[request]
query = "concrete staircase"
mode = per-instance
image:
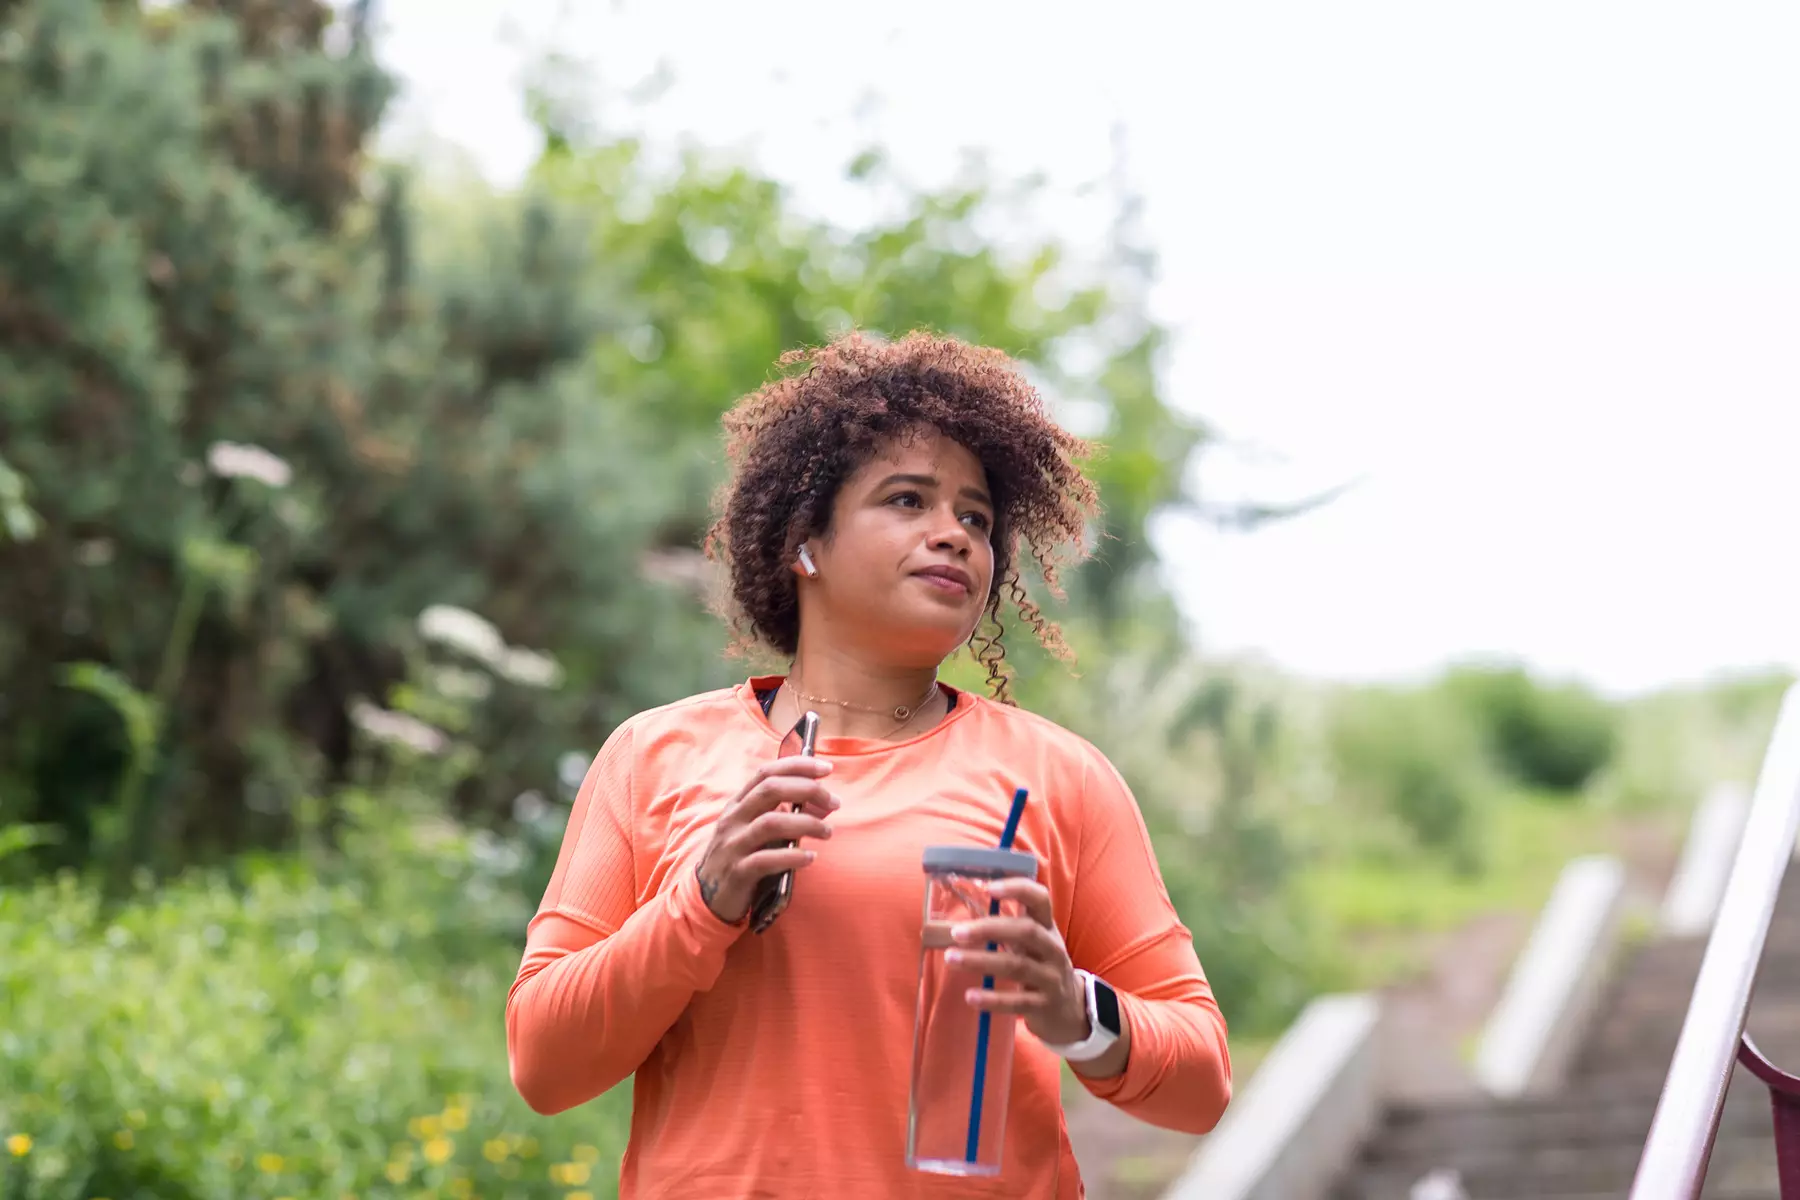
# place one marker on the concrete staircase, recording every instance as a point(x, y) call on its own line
point(1583, 1141)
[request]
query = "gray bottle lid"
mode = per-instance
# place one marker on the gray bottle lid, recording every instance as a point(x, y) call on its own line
point(984, 861)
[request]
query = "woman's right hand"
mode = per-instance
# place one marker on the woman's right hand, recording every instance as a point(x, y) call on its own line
point(746, 841)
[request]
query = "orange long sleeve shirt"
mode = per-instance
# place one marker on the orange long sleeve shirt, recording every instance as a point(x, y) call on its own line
point(779, 1065)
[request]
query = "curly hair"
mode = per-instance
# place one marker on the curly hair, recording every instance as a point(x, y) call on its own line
point(793, 442)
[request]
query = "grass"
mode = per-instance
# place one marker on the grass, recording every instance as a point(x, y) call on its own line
point(1383, 905)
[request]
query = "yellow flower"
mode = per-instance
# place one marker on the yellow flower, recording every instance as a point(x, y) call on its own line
point(438, 1150)
point(456, 1118)
point(585, 1154)
point(461, 1188)
point(398, 1171)
point(270, 1164)
point(527, 1147)
point(123, 1139)
point(572, 1174)
point(19, 1144)
point(579, 1196)
point(425, 1128)
point(494, 1150)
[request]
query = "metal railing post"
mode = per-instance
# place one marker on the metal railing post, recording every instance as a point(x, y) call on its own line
point(1676, 1152)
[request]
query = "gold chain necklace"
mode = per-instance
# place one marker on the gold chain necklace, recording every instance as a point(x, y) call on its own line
point(900, 712)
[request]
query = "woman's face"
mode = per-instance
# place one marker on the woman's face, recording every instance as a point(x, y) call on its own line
point(906, 564)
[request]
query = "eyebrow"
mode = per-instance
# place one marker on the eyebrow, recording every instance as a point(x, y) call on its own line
point(931, 481)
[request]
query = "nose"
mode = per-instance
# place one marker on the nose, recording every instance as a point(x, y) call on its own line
point(949, 533)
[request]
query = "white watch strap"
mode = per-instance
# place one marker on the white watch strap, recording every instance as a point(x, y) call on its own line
point(1098, 1040)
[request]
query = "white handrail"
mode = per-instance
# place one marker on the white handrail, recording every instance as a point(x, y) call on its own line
point(1673, 1166)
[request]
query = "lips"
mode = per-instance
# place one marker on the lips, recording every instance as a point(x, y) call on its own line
point(948, 578)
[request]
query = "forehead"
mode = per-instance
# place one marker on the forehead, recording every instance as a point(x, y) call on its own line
point(927, 452)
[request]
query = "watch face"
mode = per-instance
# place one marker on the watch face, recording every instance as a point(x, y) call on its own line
point(1106, 1007)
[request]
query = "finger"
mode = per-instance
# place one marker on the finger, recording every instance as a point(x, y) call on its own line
point(783, 827)
point(798, 766)
point(804, 765)
point(784, 792)
point(1004, 964)
point(772, 862)
point(1031, 895)
point(1019, 933)
point(1014, 1003)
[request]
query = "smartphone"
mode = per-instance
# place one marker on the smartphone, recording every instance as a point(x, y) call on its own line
point(774, 891)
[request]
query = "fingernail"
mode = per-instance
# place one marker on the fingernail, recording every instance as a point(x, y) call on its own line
point(954, 957)
point(960, 932)
point(811, 854)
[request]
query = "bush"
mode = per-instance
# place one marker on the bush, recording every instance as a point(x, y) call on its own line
point(296, 1032)
point(1554, 737)
point(1215, 762)
point(1414, 758)
point(1676, 744)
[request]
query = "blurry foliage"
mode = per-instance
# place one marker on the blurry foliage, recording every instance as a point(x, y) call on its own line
point(1411, 760)
point(18, 520)
point(1554, 736)
point(265, 415)
point(282, 1033)
point(1676, 744)
point(1219, 758)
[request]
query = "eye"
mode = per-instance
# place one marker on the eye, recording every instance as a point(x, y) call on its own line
point(906, 499)
point(978, 520)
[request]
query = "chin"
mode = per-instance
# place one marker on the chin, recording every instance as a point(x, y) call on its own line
point(922, 644)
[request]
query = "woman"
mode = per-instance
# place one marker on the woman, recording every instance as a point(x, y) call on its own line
point(870, 528)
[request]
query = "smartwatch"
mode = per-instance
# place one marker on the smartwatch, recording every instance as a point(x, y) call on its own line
point(1104, 1025)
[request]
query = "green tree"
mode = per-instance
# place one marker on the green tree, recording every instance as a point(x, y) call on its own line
point(190, 273)
point(506, 403)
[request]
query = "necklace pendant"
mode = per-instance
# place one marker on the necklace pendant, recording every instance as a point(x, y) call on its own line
point(901, 712)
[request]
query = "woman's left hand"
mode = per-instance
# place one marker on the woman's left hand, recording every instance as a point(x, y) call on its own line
point(1030, 952)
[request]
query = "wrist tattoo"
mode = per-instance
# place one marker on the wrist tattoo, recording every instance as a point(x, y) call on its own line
point(708, 887)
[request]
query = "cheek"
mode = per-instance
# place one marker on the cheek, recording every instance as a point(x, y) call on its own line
point(984, 565)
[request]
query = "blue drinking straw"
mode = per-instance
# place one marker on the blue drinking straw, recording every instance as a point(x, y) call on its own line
point(972, 1154)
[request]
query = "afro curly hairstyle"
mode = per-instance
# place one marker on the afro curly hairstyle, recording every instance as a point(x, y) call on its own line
point(792, 443)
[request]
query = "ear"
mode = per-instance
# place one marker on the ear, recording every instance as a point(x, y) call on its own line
point(804, 562)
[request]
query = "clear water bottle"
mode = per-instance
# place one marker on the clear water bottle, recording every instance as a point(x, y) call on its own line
point(962, 1057)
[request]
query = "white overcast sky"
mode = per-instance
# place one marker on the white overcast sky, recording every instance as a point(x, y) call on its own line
point(1531, 271)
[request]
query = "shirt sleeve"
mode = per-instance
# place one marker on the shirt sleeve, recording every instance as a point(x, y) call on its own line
point(1124, 928)
point(603, 978)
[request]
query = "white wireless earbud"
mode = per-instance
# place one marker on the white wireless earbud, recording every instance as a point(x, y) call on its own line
point(807, 564)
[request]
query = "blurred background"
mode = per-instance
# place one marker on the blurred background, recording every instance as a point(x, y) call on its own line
point(360, 374)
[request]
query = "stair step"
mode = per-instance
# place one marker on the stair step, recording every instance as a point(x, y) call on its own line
point(1584, 1141)
point(1528, 1130)
point(1740, 1163)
